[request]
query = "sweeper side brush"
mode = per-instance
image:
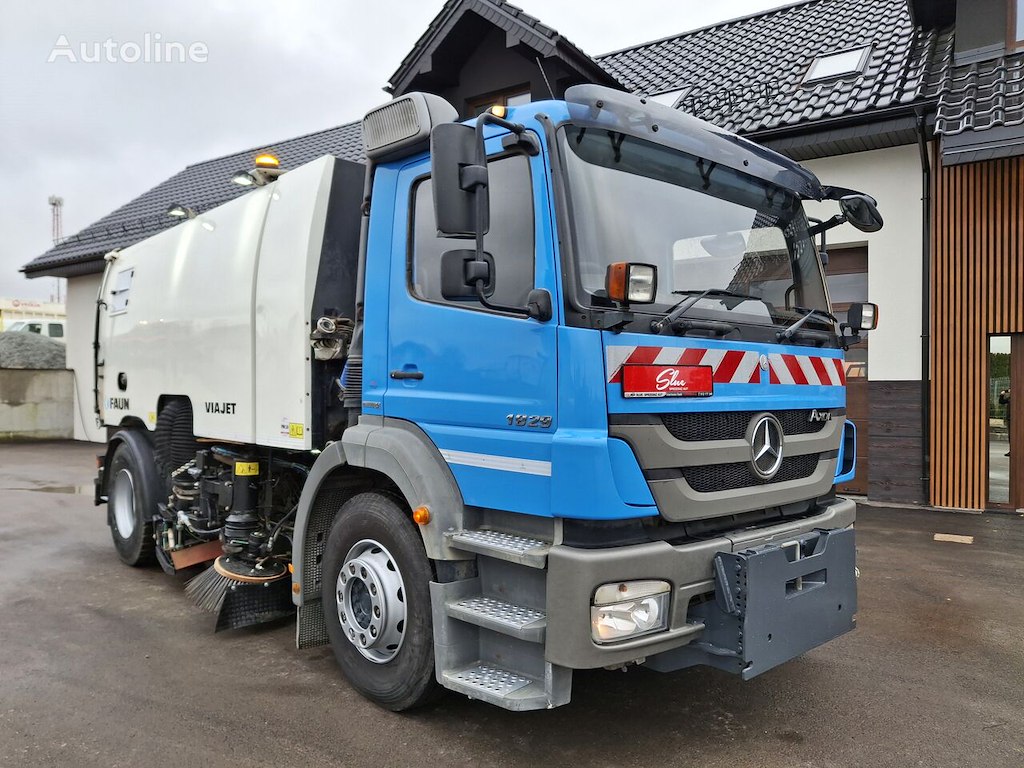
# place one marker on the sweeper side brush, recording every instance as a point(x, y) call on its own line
point(242, 594)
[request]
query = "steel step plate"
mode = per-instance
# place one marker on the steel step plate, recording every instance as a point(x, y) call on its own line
point(489, 682)
point(500, 616)
point(503, 546)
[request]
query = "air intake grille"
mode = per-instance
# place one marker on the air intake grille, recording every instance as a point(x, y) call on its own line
point(729, 477)
point(391, 123)
point(732, 425)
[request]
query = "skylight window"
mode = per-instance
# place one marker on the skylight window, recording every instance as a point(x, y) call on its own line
point(842, 64)
point(668, 98)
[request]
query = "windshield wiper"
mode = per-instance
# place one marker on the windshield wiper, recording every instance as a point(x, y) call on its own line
point(791, 330)
point(683, 306)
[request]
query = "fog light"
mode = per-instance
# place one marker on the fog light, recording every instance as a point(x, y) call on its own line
point(640, 608)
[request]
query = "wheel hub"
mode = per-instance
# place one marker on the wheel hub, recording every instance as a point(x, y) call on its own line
point(123, 501)
point(370, 598)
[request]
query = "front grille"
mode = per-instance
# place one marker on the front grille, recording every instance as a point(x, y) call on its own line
point(732, 425)
point(729, 477)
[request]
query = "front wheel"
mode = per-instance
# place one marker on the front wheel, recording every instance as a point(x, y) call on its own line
point(376, 603)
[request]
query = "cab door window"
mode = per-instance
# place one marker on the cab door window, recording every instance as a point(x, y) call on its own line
point(510, 240)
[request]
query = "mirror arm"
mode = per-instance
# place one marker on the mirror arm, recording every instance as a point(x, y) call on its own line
point(490, 119)
point(829, 192)
point(824, 226)
point(848, 341)
point(498, 307)
point(477, 177)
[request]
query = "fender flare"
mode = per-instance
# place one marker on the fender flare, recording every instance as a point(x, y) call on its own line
point(398, 450)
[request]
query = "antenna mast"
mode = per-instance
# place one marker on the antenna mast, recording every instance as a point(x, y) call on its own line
point(56, 207)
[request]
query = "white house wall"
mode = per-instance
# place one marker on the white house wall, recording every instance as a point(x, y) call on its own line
point(893, 177)
point(81, 316)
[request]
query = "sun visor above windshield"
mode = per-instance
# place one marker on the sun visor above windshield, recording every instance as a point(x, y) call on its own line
point(600, 107)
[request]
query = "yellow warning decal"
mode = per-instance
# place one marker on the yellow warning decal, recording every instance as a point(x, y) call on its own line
point(247, 468)
point(295, 430)
point(152, 417)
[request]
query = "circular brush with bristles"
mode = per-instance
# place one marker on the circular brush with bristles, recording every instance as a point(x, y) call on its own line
point(209, 588)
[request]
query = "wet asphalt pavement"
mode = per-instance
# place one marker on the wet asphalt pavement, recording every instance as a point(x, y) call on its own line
point(105, 665)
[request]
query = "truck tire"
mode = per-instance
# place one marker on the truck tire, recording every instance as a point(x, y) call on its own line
point(376, 603)
point(130, 500)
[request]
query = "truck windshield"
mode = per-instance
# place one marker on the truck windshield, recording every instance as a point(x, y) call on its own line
point(703, 225)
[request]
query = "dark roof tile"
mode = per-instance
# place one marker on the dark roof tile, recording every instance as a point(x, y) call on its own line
point(982, 95)
point(747, 75)
point(201, 186)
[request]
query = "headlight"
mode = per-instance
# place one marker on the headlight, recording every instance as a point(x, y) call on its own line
point(629, 609)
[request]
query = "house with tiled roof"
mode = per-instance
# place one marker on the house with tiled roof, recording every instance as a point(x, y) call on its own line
point(875, 95)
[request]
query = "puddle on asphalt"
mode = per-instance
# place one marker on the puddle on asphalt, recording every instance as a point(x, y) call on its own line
point(83, 490)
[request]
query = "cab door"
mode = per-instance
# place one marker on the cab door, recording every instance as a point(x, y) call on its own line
point(481, 384)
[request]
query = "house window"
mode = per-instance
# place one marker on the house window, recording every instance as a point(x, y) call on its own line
point(517, 99)
point(847, 278)
point(513, 97)
point(837, 65)
point(668, 98)
point(1015, 29)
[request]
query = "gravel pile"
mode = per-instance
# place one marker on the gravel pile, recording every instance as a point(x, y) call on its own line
point(19, 349)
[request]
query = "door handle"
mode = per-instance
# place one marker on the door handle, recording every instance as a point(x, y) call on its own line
point(416, 375)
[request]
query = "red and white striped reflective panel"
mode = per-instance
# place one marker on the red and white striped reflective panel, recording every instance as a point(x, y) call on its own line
point(732, 366)
point(806, 369)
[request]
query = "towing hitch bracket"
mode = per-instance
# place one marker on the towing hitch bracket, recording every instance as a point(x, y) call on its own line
point(772, 603)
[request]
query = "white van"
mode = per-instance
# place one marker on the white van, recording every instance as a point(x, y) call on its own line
point(53, 328)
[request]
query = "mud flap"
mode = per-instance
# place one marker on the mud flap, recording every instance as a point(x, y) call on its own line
point(248, 604)
point(773, 603)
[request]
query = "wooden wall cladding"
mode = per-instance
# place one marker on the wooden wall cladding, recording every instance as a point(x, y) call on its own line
point(977, 282)
point(895, 435)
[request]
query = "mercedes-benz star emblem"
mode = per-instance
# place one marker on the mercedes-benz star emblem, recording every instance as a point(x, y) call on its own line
point(766, 440)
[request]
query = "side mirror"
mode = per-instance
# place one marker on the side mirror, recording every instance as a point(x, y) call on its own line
point(538, 305)
point(459, 181)
point(861, 211)
point(460, 272)
point(862, 317)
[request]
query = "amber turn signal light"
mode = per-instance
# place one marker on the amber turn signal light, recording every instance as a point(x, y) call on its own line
point(421, 515)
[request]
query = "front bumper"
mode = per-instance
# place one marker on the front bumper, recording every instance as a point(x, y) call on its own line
point(696, 623)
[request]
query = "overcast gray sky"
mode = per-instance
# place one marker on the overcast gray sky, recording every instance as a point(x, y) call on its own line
point(100, 134)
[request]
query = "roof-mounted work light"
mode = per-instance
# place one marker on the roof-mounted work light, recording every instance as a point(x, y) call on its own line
point(267, 168)
point(181, 212)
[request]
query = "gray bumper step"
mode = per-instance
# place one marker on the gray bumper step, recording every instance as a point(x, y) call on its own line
point(491, 683)
point(515, 620)
point(503, 546)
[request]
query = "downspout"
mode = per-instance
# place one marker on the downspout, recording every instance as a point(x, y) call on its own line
point(101, 304)
point(926, 230)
